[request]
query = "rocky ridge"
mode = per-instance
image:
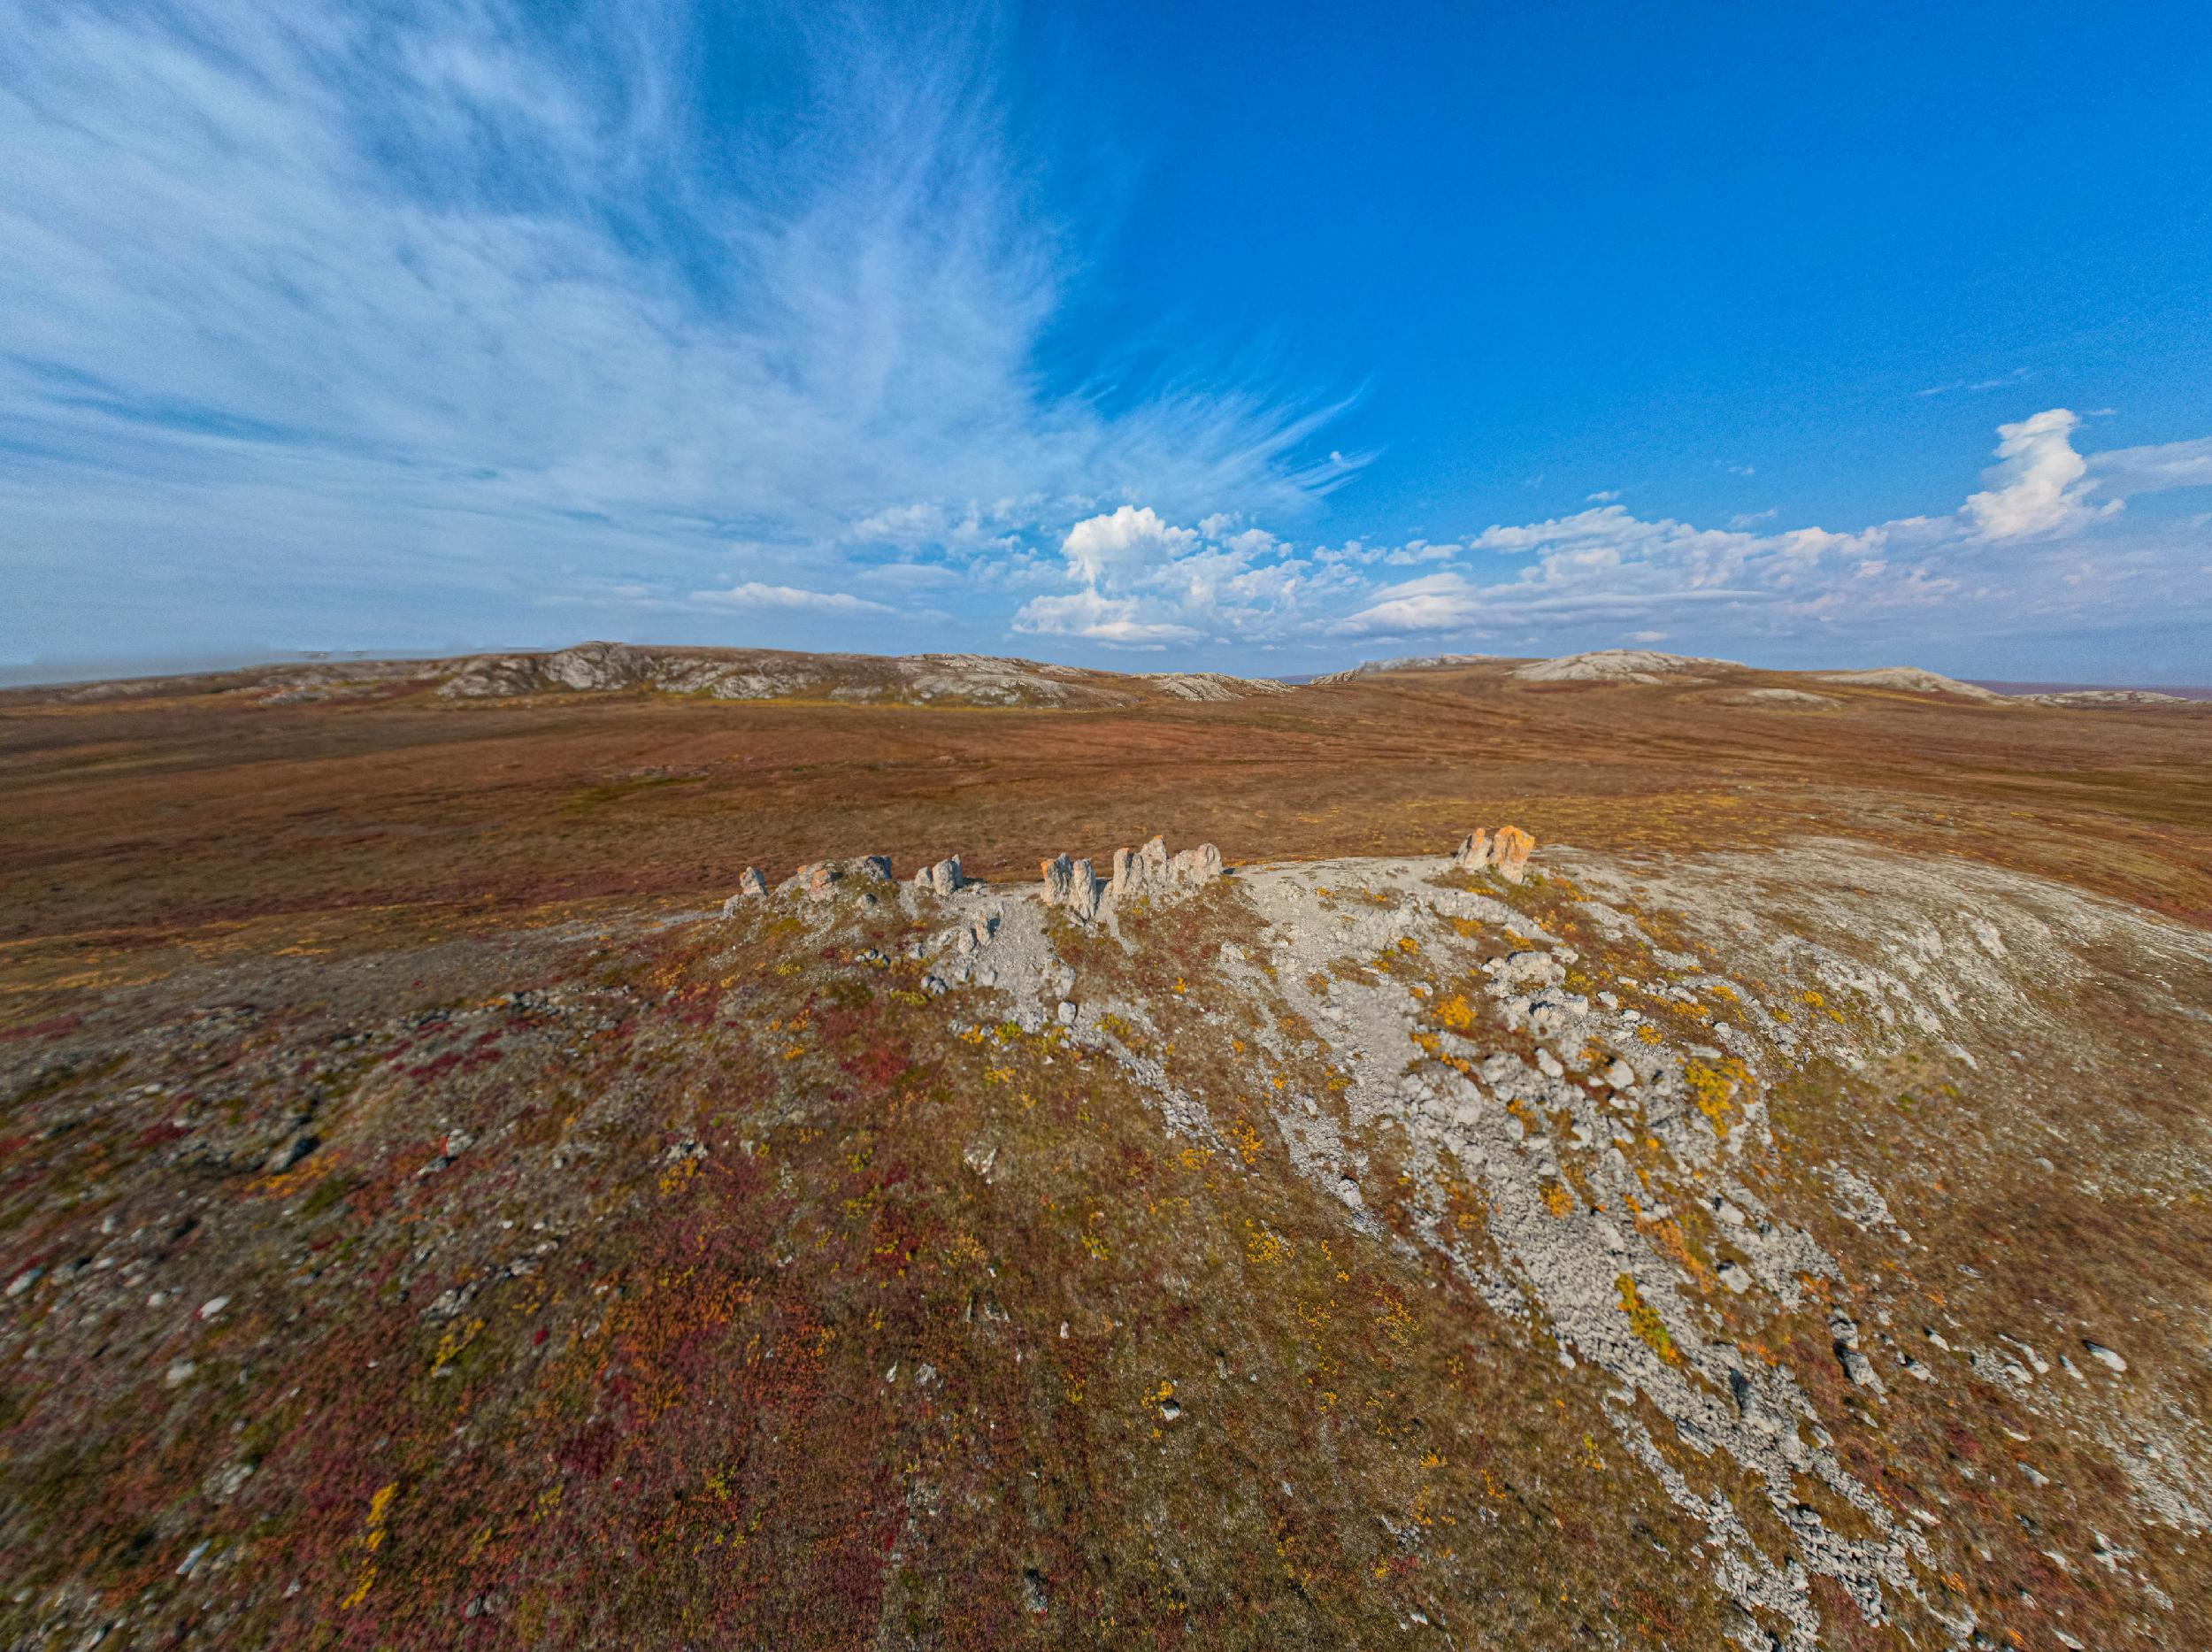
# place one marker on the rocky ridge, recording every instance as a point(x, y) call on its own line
point(1594, 1127)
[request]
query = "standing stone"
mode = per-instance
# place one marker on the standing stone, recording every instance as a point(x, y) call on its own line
point(945, 877)
point(1059, 875)
point(1128, 874)
point(1474, 851)
point(1154, 855)
point(1083, 890)
point(1510, 855)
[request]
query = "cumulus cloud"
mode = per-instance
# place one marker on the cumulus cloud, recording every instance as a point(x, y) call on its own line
point(1087, 614)
point(1129, 539)
point(2041, 485)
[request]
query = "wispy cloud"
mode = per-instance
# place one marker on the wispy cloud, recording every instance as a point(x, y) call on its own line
point(342, 301)
point(753, 594)
point(2003, 381)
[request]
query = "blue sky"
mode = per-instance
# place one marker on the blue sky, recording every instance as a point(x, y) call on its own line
point(1256, 338)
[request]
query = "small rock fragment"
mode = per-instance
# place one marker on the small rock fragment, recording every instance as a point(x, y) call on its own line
point(2099, 1351)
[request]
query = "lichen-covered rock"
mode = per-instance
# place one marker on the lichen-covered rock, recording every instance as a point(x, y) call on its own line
point(1474, 851)
point(944, 878)
point(1511, 851)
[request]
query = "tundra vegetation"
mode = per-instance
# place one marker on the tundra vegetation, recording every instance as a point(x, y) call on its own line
point(1635, 1154)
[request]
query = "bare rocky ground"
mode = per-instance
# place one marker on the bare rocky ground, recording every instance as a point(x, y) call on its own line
point(1799, 1243)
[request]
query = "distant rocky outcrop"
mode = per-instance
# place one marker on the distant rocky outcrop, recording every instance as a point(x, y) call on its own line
point(2091, 697)
point(1505, 852)
point(1620, 666)
point(1913, 680)
point(772, 674)
point(1783, 699)
point(1212, 684)
point(1406, 661)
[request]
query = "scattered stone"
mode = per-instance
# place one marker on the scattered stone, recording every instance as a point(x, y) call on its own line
point(212, 1306)
point(2099, 1351)
point(1736, 1277)
point(24, 1281)
point(291, 1153)
point(750, 886)
point(180, 1372)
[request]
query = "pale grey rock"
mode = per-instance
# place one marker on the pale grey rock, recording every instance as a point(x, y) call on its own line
point(1913, 680)
point(1642, 666)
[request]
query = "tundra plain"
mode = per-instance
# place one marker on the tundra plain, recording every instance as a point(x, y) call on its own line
point(437, 1208)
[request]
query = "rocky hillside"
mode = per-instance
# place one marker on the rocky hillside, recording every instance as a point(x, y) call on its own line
point(710, 673)
point(1799, 1247)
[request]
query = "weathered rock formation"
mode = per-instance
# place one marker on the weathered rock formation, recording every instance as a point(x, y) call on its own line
point(750, 886)
point(1506, 853)
point(1148, 870)
point(944, 878)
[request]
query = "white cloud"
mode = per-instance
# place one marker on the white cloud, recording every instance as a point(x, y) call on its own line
point(1100, 618)
point(2041, 485)
point(1605, 497)
point(2127, 470)
point(1130, 538)
point(753, 594)
point(363, 303)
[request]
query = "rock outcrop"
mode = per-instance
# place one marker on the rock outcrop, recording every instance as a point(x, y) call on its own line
point(1505, 853)
point(1784, 700)
point(1913, 680)
point(1619, 665)
point(750, 886)
point(2111, 696)
point(1148, 870)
